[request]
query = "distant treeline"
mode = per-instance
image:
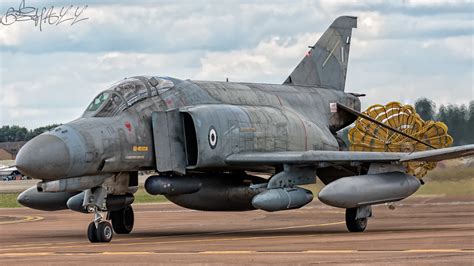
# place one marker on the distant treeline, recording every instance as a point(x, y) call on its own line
point(17, 133)
point(458, 118)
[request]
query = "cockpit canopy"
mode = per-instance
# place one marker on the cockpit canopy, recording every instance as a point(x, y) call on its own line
point(126, 93)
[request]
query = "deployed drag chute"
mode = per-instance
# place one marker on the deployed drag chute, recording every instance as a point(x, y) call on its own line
point(367, 135)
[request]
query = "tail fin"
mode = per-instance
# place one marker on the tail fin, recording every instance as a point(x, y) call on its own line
point(326, 63)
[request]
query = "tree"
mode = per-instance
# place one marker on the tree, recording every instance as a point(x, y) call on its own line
point(12, 133)
point(456, 118)
point(426, 108)
point(40, 130)
point(17, 133)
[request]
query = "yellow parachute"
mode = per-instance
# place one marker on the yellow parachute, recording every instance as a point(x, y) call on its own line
point(368, 136)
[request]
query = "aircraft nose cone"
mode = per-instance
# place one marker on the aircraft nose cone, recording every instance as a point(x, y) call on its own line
point(44, 157)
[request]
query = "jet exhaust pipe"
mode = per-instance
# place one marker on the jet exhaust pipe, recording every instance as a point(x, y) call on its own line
point(113, 202)
point(363, 190)
point(177, 185)
point(282, 199)
point(71, 184)
point(44, 201)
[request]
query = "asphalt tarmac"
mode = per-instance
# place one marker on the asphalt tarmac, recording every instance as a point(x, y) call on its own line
point(421, 230)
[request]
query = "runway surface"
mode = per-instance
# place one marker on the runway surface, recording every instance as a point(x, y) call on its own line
point(421, 230)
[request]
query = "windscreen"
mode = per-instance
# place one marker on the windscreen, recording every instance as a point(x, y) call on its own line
point(98, 101)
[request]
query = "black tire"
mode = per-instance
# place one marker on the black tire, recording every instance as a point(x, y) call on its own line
point(123, 220)
point(104, 232)
point(353, 224)
point(92, 233)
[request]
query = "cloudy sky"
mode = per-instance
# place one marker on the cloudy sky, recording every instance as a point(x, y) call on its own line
point(401, 50)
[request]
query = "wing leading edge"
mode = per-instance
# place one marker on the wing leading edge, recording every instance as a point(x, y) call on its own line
point(313, 157)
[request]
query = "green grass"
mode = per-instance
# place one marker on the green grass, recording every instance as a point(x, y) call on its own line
point(450, 174)
point(8, 200)
point(461, 187)
point(142, 197)
point(449, 181)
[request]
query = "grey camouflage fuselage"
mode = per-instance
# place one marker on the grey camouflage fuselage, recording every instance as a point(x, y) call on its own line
point(246, 117)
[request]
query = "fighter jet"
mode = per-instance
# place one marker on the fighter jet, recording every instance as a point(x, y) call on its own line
point(204, 139)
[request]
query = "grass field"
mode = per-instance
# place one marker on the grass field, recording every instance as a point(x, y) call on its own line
point(8, 200)
point(461, 187)
point(452, 178)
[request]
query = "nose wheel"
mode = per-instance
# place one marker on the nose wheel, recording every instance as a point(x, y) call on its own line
point(92, 233)
point(99, 230)
point(102, 233)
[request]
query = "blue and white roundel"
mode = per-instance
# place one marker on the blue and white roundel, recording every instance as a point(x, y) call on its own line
point(212, 137)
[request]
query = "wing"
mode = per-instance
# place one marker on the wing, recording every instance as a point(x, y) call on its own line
point(314, 157)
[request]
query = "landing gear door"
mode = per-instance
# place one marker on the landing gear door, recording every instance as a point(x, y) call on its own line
point(168, 135)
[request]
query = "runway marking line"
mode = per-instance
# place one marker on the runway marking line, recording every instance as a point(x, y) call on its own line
point(127, 253)
point(435, 250)
point(23, 220)
point(271, 237)
point(38, 245)
point(224, 252)
point(221, 239)
point(227, 252)
point(251, 238)
point(332, 251)
point(55, 245)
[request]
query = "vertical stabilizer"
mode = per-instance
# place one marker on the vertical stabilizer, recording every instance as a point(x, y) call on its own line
point(325, 64)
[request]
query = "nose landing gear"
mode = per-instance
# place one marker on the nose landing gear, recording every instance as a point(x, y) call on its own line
point(101, 230)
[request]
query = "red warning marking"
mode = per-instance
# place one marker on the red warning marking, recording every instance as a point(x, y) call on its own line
point(128, 126)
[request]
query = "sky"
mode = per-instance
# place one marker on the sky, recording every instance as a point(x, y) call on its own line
point(401, 50)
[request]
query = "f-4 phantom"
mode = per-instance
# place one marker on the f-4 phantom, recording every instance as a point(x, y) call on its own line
point(205, 139)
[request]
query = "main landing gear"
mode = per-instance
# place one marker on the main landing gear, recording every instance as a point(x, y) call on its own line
point(122, 220)
point(356, 218)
